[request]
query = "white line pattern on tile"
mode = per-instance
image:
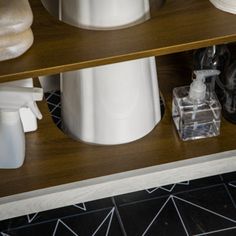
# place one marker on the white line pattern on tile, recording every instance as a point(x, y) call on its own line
point(232, 184)
point(110, 214)
point(156, 216)
point(65, 225)
point(216, 231)
point(168, 190)
point(83, 207)
point(180, 217)
point(31, 218)
point(152, 190)
point(109, 225)
point(205, 209)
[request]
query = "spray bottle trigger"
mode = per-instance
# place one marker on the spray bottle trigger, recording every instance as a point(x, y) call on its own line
point(34, 108)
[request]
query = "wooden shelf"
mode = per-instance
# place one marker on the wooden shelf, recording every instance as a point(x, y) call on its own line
point(177, 26)
point(59, 171)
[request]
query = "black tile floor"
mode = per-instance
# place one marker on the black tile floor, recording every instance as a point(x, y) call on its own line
point(198, 207)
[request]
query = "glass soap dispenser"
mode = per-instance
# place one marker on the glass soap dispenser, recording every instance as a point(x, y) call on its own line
point(196, 113)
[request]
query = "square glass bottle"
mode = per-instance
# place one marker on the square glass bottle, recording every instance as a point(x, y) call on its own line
point(196, 114)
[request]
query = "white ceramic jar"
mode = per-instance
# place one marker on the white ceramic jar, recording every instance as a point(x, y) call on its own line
point(104, 14)
point(225, 5)
point(110, 104)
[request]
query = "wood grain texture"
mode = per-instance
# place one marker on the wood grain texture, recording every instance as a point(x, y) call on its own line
point(177, 26)
point(53, 159)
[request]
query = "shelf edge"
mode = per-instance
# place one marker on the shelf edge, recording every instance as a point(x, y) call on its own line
point(112, 185)
point(156, 52)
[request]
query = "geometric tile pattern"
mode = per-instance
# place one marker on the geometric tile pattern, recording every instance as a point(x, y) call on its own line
point(202, 207)
point(183, 209)
point(54, 104)
point(168, 215)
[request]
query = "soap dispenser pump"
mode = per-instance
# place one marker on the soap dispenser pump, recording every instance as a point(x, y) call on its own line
point(196, 114)
point(12, 137)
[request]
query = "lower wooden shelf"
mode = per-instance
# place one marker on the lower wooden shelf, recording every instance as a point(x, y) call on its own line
point(59, 171)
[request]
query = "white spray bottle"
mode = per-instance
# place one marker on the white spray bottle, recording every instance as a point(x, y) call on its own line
point(12, 137)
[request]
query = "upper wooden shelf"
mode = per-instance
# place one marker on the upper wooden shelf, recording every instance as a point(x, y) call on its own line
point(177, 26)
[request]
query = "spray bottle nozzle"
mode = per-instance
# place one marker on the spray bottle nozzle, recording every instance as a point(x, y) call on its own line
point(198, 88)
point(13, 98)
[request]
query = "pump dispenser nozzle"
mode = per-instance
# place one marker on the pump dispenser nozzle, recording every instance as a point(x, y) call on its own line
point(197, 90)
point(12, 137)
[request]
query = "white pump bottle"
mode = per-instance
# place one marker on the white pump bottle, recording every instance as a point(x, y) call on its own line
point(12, 137)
